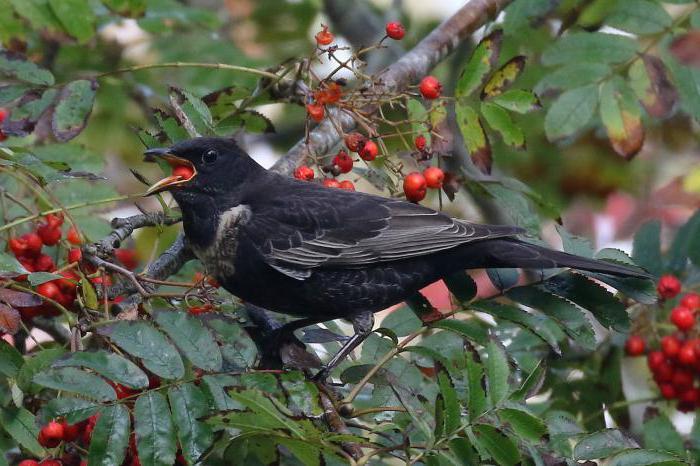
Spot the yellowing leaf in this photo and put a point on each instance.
(691, 183)
(649, 80)
(480, 64)
(474, 137)
(504, 77)
(620, 115)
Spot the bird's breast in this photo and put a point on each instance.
(219, 255)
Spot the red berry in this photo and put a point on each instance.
(127, 257)
(670, 346)
(682, 379)
(331, 183)
(3, 114)
(664, 373)
(73, 236)
(69, 281)
(74, 255)
(395, 30)
(54, 220)
(71, 431)
(691, 301)
(687, 400)
(354, 141)
(28, 463)
(415, 187)
(668, 287)
(667, 391)
(49, 290)
(51, 434)
(315, 111)
(430, 87)
(196, 310)
(634, 346)
(434, 177)
(185, 172)
(420, 142)
(304, 173)
(33, 244)
(683, 318)
(343, 161)
(330, 94)
(89, 427)
(655, 359)
(324, 37)
(50, 462)
(369, 151)
(44, 263)
(347, 185)
(49, 235)
(122, 391)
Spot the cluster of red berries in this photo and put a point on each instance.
(3, 116)
(675, 366)
(416, 184)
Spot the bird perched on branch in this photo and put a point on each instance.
(301, 249)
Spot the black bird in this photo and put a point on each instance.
(305, 250)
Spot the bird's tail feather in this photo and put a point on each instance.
(510, 252)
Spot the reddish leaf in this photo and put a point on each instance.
(19, 298)
(650, 81)
(686, 48)
(9, 319)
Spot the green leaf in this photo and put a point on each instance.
(268, 413)
(518, 100)
(661, 434)
(402, 321)
(140, 339)
(500, 121)
(474, 137)
(73, 410)
(29, 109)
(452, 413)
(602, 444)
(646, 250)
(215, 386)
(504, 77)
(571, 112)
(572, 76)
(192, 338)
(88, 293)
(21, 425)
(497, 372)
(11, 92)
(594, 47)
(37, 278)
(607, 309)
(476, 405)
(532, 384)
(525, 424)
(11, 360)
(621, 117)
(498, 445)
(237, 349)
(116, 368)
(188, 404)
(568, 315)
(480, 64)
(155, 432)
(13, 66)
(40, 361)
(650, 81)
(39, 15)
(110, 438)
(73, 108)
(639, 17)
(74, 380)
(469, 329)
(76, 17)
(11, 27)
(129, 8)
(638, 457)
(9, 266)
(681, 246)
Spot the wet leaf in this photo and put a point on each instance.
(482, 61)
(14, 66)
(500, 121)
(571, 112)
(504, 77)
(621, 117)
(652, 85)
(474, 137)
(73, 108)
(9, 320)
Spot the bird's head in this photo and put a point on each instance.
(202, 166)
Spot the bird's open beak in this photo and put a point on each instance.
(175, 162)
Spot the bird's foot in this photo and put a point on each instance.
(321, 375)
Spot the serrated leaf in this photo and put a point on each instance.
(595, 47)
(111, 365)
(533, 383)
(267, 410)
(646, 249)
(189, 404)
(469, 329)
(639, 457)
(497, 372)
(480, 64)
(402, 321)
(142, 340)
(452, 412)
(10, 267)
(11, 360)
(607, 309)
(21, 425)
(155, 432)
(237, 349)
(571, 112)
(73, 410)
(15, 66)
(518, 100)
(250, 120)
(525, 424)
(639, 17)
(504, 77)
(620, 115)
(76, 17)
(568, 315)
(500, 121)
(572, 76)
(476, 395)
(651, 83)
(474, 137)
(110, 437)
(660, 434)
(602, 444)
(40, 361)
(192, 338)
(73, 108)
(498, 445)
(74, 380)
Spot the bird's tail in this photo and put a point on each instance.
(511, 252)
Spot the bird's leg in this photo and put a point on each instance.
(362, 324)
(274, 340)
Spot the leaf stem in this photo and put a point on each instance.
(215, 66)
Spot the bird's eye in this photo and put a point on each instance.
(210, 156)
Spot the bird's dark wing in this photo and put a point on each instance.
(319, 228)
